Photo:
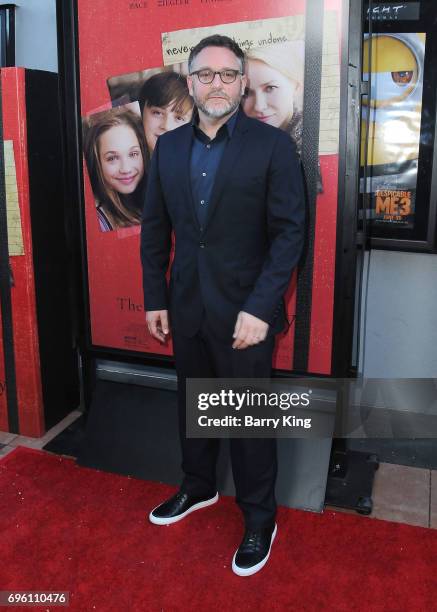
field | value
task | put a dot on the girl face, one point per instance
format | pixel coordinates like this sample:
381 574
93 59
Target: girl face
160 119
121 159
270 94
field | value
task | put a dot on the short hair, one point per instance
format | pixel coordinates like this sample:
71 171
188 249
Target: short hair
217 40
163 88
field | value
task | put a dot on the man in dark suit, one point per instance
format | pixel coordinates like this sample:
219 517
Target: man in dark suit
231 189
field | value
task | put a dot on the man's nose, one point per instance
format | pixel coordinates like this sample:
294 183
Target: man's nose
216 76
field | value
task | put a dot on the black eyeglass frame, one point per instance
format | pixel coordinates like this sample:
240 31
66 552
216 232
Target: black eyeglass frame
219 72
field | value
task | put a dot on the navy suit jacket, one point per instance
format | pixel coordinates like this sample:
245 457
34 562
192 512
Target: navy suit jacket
243 258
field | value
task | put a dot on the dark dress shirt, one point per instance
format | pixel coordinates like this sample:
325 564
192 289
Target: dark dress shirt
206 155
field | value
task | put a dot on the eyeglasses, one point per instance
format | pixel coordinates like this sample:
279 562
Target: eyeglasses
207 76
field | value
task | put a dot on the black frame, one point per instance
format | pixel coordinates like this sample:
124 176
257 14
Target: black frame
7 27
348 246
423 237
350 241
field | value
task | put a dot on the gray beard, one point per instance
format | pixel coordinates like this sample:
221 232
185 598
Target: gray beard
217 113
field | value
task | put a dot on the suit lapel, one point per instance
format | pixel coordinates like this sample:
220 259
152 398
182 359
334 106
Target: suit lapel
227 163
183 152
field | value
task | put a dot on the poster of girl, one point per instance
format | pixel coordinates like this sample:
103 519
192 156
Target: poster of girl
115 154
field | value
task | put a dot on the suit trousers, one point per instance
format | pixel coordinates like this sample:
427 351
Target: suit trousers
254 461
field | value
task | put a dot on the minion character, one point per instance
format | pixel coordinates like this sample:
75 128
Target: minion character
393 110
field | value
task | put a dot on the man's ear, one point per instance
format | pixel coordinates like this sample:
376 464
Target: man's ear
243 84
190 84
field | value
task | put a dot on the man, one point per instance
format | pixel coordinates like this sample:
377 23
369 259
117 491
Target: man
230 187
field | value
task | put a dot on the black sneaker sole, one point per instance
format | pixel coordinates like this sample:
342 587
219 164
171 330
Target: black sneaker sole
162 520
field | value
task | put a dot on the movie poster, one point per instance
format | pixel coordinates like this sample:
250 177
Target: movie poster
133 64
393 113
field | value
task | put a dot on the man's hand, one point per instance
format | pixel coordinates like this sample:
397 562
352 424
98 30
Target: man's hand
157 322
249 330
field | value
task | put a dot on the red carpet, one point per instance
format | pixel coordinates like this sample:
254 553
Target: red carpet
63 527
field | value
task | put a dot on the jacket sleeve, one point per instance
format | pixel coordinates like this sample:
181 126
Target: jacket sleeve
285 225
155 240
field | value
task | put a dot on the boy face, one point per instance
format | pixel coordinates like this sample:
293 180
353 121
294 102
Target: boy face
160 119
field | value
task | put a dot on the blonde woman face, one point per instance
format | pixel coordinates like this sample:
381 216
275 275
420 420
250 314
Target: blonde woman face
270 94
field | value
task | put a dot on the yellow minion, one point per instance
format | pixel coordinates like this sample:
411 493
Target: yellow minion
394 109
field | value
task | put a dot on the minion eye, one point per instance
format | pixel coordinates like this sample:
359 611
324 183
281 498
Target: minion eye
402 77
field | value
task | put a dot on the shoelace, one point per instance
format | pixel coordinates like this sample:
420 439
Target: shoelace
251 541
180 497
